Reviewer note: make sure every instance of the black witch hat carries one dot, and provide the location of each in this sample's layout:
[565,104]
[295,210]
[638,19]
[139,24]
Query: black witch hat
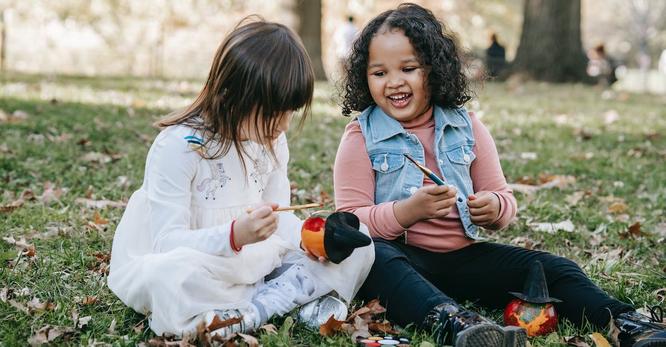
[535,289]
[342,236]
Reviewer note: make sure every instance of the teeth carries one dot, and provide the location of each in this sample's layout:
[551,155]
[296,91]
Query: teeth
[398,97]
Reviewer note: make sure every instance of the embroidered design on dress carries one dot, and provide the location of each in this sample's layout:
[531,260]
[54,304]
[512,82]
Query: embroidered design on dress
[218,180]
[260,169]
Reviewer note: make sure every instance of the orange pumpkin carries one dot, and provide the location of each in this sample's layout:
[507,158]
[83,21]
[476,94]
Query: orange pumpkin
[312,235]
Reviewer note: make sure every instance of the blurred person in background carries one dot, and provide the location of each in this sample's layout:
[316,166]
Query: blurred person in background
[495,57]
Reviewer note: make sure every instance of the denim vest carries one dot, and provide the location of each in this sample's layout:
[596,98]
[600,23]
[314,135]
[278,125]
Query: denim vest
[396,178]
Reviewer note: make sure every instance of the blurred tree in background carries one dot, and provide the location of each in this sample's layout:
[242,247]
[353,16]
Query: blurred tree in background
[550,46]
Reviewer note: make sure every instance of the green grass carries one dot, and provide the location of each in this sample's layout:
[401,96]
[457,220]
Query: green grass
[568,128]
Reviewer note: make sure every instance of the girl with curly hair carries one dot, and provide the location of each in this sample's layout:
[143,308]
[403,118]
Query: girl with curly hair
[405,76]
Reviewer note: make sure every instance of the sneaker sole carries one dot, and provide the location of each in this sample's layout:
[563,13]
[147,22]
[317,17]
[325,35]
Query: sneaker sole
[514,336]
[487,335]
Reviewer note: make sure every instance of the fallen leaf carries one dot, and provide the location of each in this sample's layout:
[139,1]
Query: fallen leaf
[552,228]
[112,327]
[83,321]
[15,304]
[599,340]
[525,242]
[96,157]
[4,292]
[217,323]
[249,339]
[574,198]
[614,332]
[36,305]
[635,229]
[90,203]
[97,219]
[89,300]
[331,326]
[617,207]
[358,329]
[270,329]
[10,207]
[48,334]
[384,327]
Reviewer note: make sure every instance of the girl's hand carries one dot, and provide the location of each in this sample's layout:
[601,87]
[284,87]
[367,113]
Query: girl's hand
[428,202]
[484,208]
[312,256]
[255,226]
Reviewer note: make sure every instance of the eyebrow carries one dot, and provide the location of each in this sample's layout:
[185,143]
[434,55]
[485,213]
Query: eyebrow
[410,60]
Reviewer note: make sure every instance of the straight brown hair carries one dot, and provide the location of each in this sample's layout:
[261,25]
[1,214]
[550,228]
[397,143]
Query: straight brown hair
[261,68]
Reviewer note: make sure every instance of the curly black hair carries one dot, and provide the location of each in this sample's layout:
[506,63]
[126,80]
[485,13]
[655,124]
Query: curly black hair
[436,49]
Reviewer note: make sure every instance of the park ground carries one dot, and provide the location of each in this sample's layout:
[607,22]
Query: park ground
[587,165]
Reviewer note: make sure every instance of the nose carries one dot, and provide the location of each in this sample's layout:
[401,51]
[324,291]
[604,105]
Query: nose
[395,81]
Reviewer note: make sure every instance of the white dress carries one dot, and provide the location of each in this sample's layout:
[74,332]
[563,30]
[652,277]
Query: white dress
[171,257]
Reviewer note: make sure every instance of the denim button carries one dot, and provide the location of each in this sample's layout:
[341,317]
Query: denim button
[413,190]
[466,157]
[440,162]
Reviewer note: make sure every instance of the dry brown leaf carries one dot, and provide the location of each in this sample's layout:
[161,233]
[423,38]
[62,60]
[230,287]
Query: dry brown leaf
[36,305]
[112,327]
[17,305]
[635,229]
[358,328]
[90,203]
[525,242]
[48,334]
[574,198]
[96,157]
[138,328]
[617,207]
[89,300]
[249,339]
[270,329]
[217,323]
[10,207]
[383,327]
[51,193]
[331,326]
[83,321]
[599,340]
[97,219]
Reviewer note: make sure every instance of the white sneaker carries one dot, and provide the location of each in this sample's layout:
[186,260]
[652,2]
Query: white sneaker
[247,321]
[318,311]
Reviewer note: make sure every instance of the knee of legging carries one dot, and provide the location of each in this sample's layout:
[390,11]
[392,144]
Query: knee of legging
[556,267]
[385,253]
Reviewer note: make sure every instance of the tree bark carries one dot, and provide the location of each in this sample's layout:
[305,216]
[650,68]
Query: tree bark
[550,47]
[3,41]
[309,29]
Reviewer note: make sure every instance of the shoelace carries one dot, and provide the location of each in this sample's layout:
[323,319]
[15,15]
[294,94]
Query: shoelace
[656,314]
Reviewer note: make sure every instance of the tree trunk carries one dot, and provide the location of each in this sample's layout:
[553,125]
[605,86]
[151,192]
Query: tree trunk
[550,46]
[3,41]
[309,29]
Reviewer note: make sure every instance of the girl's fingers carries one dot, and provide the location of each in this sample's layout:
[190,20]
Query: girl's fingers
[480,210]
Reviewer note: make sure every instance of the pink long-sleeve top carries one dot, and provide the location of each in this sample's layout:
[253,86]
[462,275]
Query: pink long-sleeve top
[354,185]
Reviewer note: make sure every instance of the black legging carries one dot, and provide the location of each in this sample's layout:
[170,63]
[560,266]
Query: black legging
[410,281]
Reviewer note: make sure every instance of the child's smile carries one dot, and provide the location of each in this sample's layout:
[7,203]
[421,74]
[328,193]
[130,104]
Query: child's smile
[396,79]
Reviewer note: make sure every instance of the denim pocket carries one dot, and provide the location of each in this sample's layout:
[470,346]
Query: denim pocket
[384,163]
[461,155]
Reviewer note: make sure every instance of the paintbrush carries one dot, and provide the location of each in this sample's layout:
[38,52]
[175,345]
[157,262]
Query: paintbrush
[427,172]
[292,208]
